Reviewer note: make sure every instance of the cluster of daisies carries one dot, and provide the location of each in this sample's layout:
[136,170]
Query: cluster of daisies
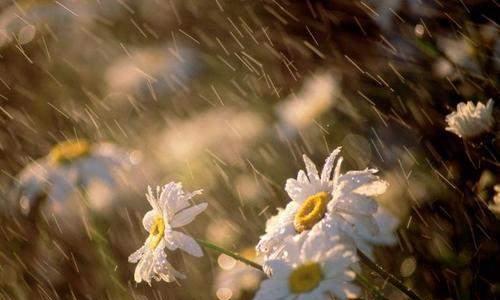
[309,248]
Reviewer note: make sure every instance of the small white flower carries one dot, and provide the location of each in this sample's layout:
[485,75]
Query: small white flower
[470,120]
[318,94]
[152,72]
[320,272]
[202,132]
[68,166]
[171,209]
[343,203]
[495,206]
[37,16]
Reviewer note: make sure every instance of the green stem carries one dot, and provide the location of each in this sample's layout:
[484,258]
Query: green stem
[375,290]
[388,276]
[103,251]
[230,253]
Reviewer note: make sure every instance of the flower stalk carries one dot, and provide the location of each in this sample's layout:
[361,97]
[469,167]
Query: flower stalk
[388,276]
[234,255]
[374,290]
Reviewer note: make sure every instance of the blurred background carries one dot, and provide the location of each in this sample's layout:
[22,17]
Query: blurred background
[226,95]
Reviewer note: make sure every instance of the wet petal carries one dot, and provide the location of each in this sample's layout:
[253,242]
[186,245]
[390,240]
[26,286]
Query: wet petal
[184,242]
[148,219]
[137,255]
[312,172]
[272,289]
[187,216]
[328,166]
[356,204]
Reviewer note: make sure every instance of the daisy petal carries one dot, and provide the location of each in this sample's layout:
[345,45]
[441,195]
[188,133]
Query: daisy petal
[302,177]
[96,168]
[61,183]
[362,182]
[144,268]
[356,204]
[364,225]
[171,196]
[312,172]
[148,219]
[137,255]
[184,242]
[152,199]
[164,270]
[279,268]
[293,188]
[272,289]
[328,167]
[185,202]
[336,173]
[187,216]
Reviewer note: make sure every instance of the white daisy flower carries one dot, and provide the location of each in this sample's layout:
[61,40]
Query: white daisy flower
[320,272]
[343,203]
[68,166]
[171,209]
[470,120]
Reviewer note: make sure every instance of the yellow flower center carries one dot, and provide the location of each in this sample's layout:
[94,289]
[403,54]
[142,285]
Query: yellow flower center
[70,150]
[156,232]
[311,211]
[305,278]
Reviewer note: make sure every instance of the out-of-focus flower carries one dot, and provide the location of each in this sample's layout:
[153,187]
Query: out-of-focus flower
[318,94]
[470,120]
[386,10]
[460,52]
[170,209]
[70,165]
[320,272]
[236,277]
[343,204]
[151,72]
[495,206]
[248,188]
[225,132]
[223,232]
[22,21]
